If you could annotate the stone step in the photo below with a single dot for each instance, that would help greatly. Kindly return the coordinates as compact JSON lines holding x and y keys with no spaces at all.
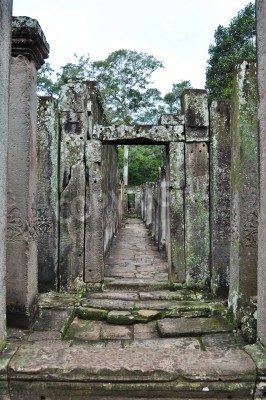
{"x":178,"y":327}
{"x":182,"y":294}
{"x":54,"y":370}
{"x":137,"y":284}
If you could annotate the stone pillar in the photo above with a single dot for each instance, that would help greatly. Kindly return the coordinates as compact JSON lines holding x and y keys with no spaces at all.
{"x":94,"y":245}
{"x":177,"y":271}
{"x":29,"y":48}
{"x":47,"y":193}
{"x":120,"y":204}
{"x":74,"y":130}
{"x":220,"y":164}
{"x":261,"y":70}
{"x":125,"y":172}
{"x":244,"y":187}
{"x":149,"y":189}
{"x":162,"y":228}
{"x":194,"y":104}
{"x":5,"y":46}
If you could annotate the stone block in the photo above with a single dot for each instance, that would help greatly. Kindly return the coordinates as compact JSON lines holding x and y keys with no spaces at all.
{"x":5,"y":52}
{"x":194,"y":108}
{"x":222,"y":341}
{"x":220,"y":164}
{"x":169,"y":327}
{"x":95,"y":314}
{"x":244,"y":187}
{"x":120,"y":318}
{"x":47,"y":193}
{"x":197,"y":217}
{"x":146,"y":315}
{"x":124,"y":134}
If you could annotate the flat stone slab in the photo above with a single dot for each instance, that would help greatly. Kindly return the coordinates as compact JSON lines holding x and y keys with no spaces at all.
{"x":146,"y":315}
{"x":84,"y":330}
{"x":222,"y":341}
{"x":57,"y":301}
{"x":59,"y":362}
{"x":54,"y":320}
{"x":109,"y":304}
{"x":172,"y":295}
{"x":116,"y":332}
{"x":191,"y":326}
{"x":180,"y":343}
{"x":128,"y":296}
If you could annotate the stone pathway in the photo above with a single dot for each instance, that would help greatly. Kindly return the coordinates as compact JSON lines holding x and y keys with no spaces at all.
{"x":139,"y":337}
{"x":133,"y":260}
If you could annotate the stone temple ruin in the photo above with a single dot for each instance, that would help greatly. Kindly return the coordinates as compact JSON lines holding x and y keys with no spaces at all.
{"x":88,"y":306}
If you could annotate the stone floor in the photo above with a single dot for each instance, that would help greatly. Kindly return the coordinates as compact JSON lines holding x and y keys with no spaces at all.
{"x":138,"y":338}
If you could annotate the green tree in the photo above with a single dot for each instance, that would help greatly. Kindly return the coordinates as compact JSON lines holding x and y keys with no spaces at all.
{"x":45,"y":84}
{"x":143,"y":162}
{"x":233,"y":43}
{"x":81,"y":69}
{"x":124,"y":78}
{"x":172,"y":99}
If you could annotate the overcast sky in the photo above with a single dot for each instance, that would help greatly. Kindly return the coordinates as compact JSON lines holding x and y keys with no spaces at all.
{"x":178,"y":32}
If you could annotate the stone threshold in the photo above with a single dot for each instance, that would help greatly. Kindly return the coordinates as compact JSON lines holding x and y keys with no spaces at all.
{"x":55,"y":370}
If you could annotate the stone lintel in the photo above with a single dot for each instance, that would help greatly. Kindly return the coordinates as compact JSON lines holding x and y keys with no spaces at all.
{"x":140,"y":133}
{"x":28,"y":40}
{"x":171,"y":119}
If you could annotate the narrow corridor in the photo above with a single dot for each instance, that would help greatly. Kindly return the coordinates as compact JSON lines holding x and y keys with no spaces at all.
{"x":133,"y":258}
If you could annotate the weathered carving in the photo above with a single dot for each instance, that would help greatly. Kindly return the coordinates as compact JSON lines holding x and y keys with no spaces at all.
{"x":44,"y":220}
{"x":15,"y":226}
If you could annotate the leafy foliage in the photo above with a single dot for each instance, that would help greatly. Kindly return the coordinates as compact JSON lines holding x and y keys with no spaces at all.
{"x":233,"y":43}
{"x":143,"y":162}
{"x":172,"y":99}
{"x":124,"y":77}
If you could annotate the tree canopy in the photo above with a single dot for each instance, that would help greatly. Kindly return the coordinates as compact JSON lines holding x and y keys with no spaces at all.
{"x":232,"y":43}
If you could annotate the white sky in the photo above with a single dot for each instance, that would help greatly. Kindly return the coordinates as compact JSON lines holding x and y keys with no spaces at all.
{"x":178,"y":32}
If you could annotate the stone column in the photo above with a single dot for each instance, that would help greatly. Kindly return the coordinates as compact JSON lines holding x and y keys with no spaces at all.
{"x":177,"y":271}
{"x":94,"y":244}
{"x":47,"y":193}
{"x":261,"y":70}
{"x":162,"y":228}
{"x":197,"y":217}
{"x":244,"y":187}
{"x":220,"y":164}
{"x":125,"y":171}
{"x":74,"y":121}
{"x":29,"y":48}
{"x":5,"y":47}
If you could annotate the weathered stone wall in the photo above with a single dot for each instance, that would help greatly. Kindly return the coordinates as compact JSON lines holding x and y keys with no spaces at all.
{"x":47,"y":193}
{"x":5,"y":48}
{"x":220,"y":164}
{"x":74,"y":128}
{"x":244,"y":188}
{"x":22,"y":284}
{"x":101,"y":216}
{"x":261,"y":67}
